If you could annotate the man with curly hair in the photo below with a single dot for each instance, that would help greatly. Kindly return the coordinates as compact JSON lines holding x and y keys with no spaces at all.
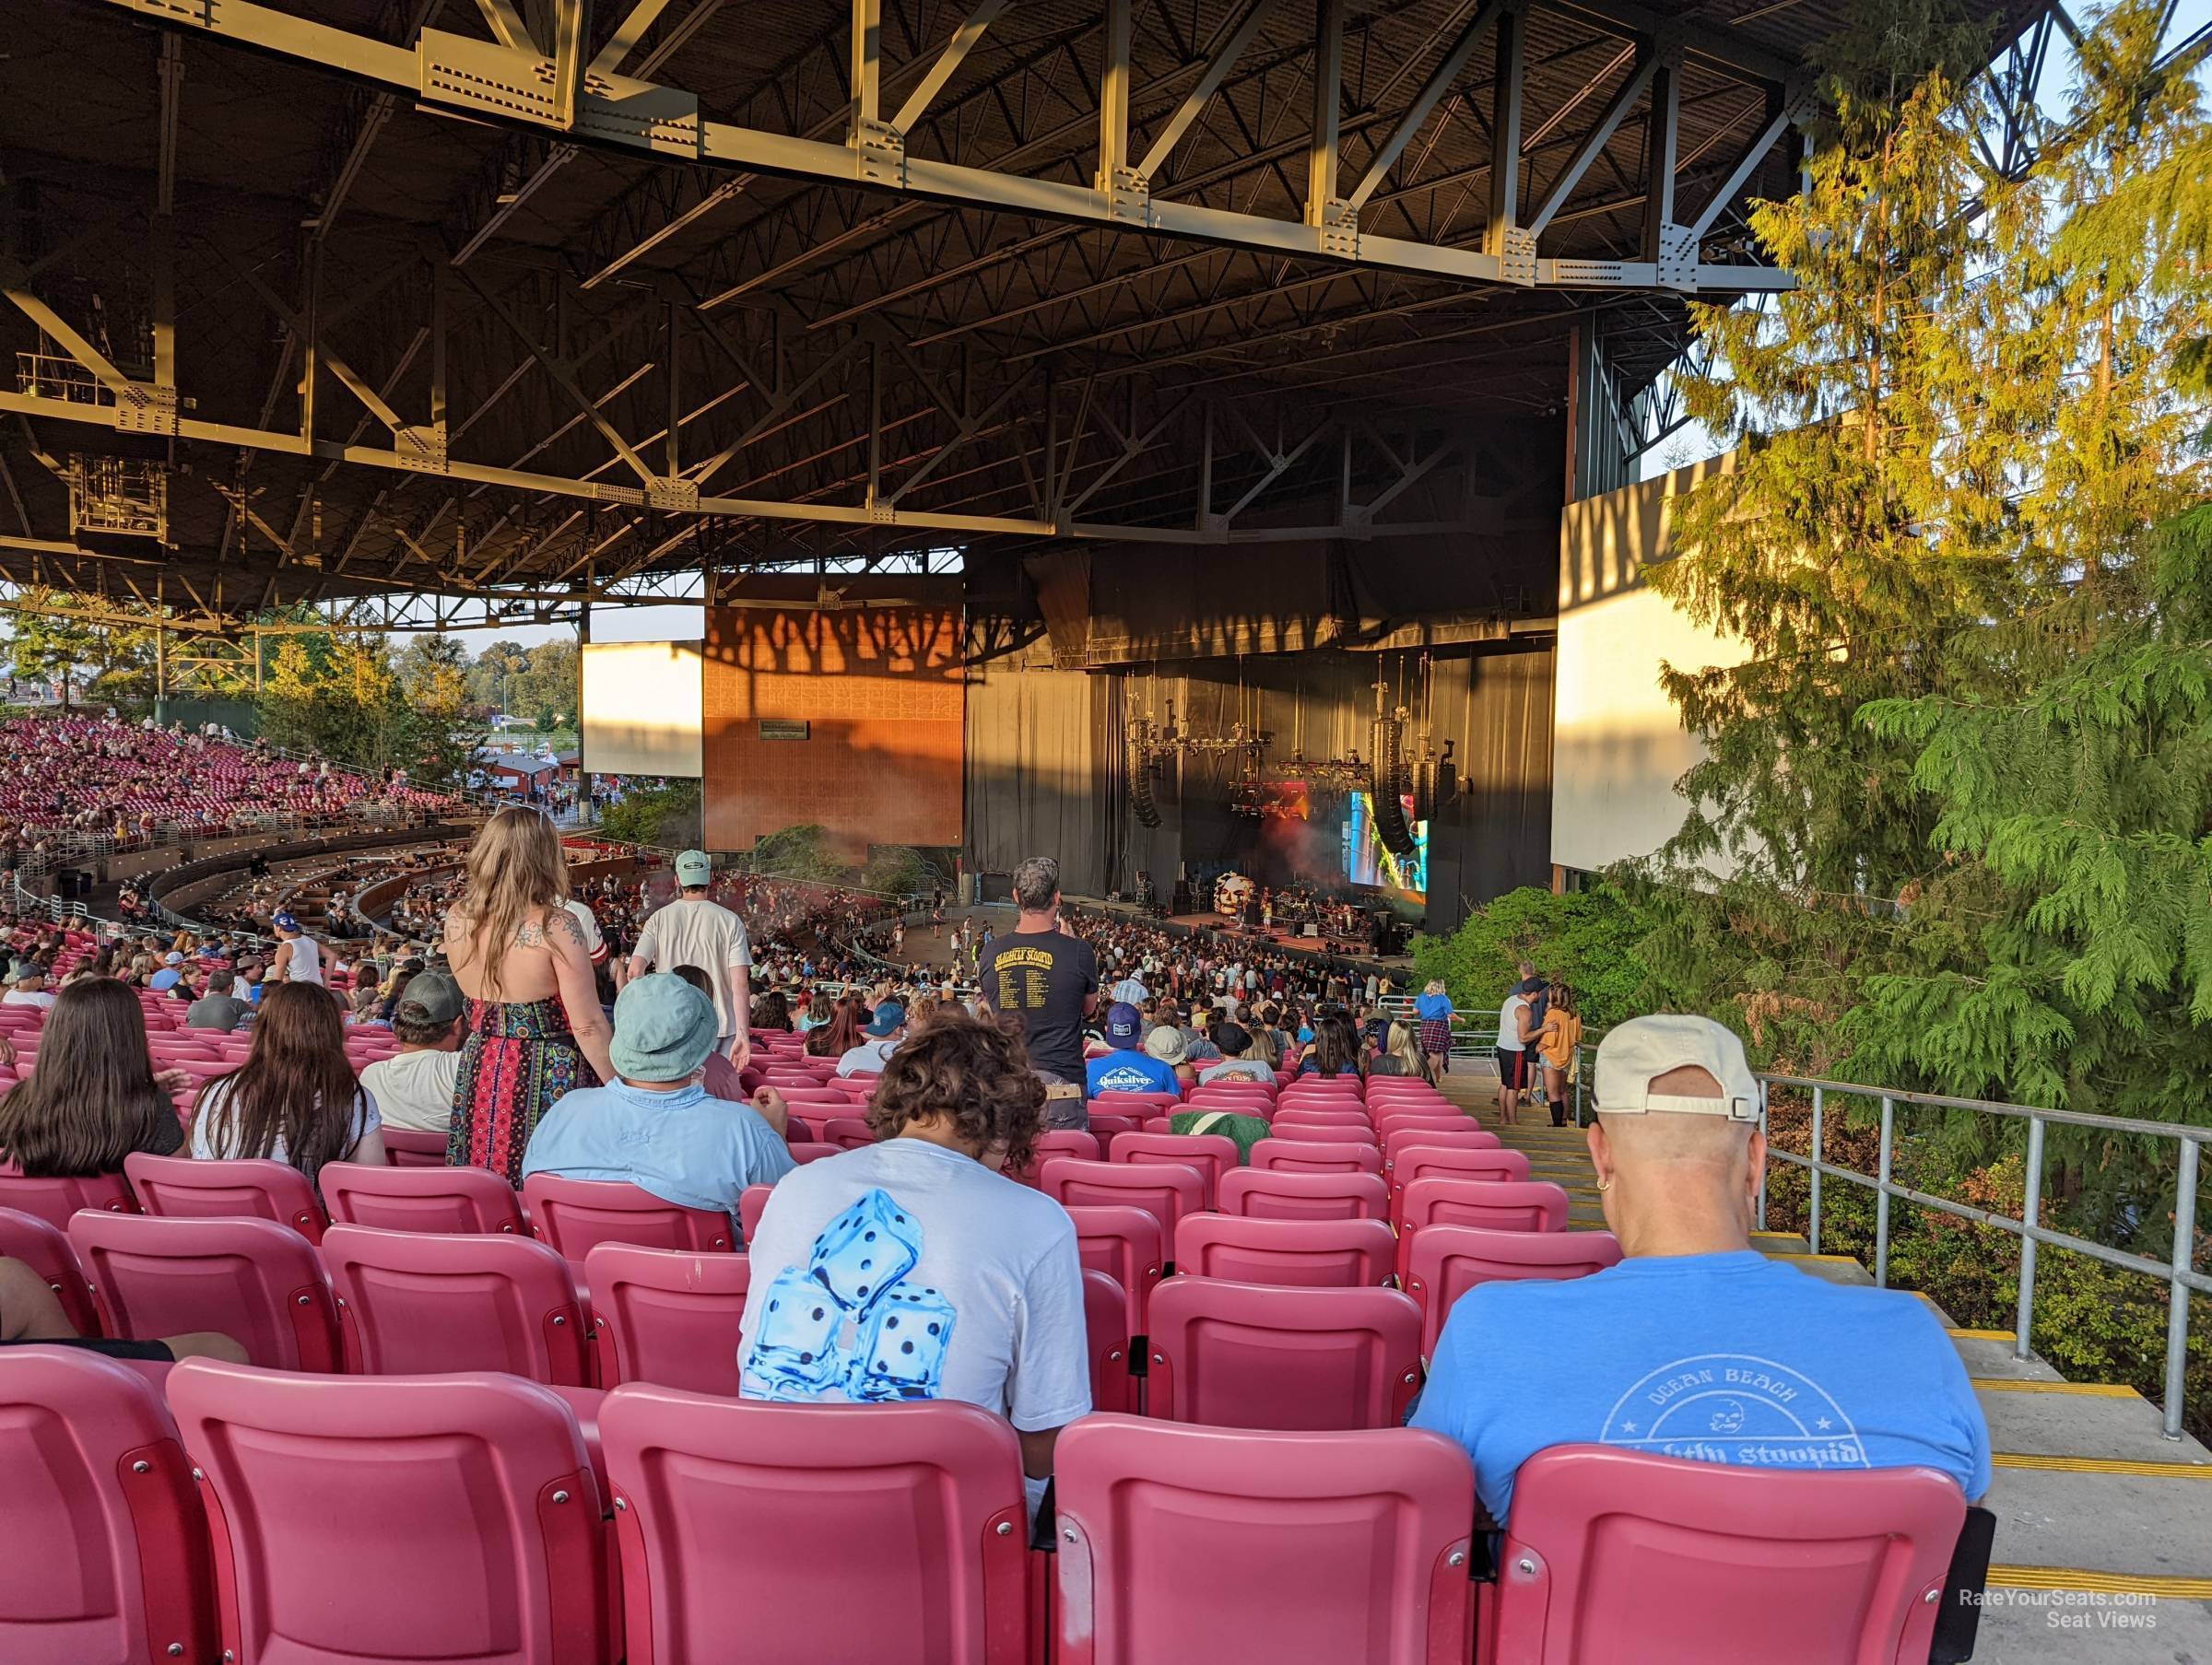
{"x":913,"y":1267}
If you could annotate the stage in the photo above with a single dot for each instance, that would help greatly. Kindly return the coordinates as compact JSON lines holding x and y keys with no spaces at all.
{"x":1341,"y":949}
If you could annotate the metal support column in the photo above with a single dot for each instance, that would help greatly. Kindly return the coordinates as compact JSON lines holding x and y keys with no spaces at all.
{"x":2177,"y":1296}
{"x":2032,"y":1205}
{"x":1662,"y":134}
{"x":1813,"y":1210}
{"x":1500,"y":237}
{"x":1114,"y":96}
{"x":1328,"y":76}
{"x":866,"y":82}
{"x":1881,"y":1197}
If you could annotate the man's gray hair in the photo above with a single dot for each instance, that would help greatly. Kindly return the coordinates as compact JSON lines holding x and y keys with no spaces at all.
{"x":1036,"y":882}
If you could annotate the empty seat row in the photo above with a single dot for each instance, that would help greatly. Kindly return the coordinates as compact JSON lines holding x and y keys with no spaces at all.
{"x":214,"y":1512}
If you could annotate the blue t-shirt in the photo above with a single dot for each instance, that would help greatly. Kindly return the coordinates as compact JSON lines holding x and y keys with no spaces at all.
{"x":1728,"y":1358}
{"x":1128,"y":1070}
{"x":165,"y":978}
{"x":684,"y":1147}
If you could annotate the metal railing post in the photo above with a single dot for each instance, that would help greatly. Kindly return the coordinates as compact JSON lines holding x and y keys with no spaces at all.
{"x":1814,"y":1235}
{"x":2177,"y":1294}
{"x":1762,"y":1169}
{"x":1881,"y":1197}
{"x":2023,"y":1322}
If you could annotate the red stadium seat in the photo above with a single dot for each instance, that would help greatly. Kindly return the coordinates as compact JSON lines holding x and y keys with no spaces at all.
{"x":1332,"y":1133}
{"x":1614,"y":1555}
{"x":45,"y":1249}
{"x":474,"y":1495}
{"x":809,"y":1150}
{"x":1517,"y":1205}
{"x":1317,"y":1156}
{"x":1423,"y":1161}
{"x":1254,"y":1355}
{"x":752,"y":1202}
{"x":1106,"y":1325}
{"x":55,"y":1201}
{"x":1310,"y":1116}
{"x":465,"y":1199}
{"x":1296,"y":1549}
{"x":825,"y":1500}
{"x":1327,"y":1254}
{"x":1212,"y":1155}
{"x":573,"y":1214}
{"x":1128,"y":1245}
{"x":180,"y":1188}
{"x":667,"y":1318}
{"x":254,"y":1281}
{"x":1442,"y":1262}
{"x":1057,"y":1142}
{"x":1105,"y":1124}
{"x":416,"y":1303}
{"x":1166,"y":1190}
{"x":107,"y":1549}
{"x":847,"y":1132}
{"x":408,"y":1148}
{"x":1137,"y":1104}
{"x":1467,"y":1137}
{"x":1276,"y":1193}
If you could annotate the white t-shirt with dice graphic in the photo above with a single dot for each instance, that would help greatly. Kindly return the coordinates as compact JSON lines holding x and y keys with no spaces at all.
{"x":905,"y":1270}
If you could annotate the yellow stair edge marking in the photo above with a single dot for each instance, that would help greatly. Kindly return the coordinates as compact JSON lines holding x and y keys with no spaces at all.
{"x":1982,"y":1335}
{"x":1787,"y":1237}
{"x":2107,"y":1584}
{"x":1997,"y":1384}
{"x":2104,"y":1465}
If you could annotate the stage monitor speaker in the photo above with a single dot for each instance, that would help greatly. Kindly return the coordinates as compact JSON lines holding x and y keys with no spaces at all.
{"x":1183,"y":898}
{"x":994,"y":886}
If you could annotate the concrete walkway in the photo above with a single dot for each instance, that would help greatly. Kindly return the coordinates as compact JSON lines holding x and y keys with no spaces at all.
{"x":2103,"y":1551}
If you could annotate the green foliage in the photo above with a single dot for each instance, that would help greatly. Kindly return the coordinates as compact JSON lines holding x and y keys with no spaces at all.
{"x":797,"y":852}
{"x":901,"y":870}
{"x":666,"y":817}
{"x":1587,"y":937}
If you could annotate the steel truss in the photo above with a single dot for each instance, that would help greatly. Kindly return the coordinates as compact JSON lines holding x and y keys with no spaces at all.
{"x":1174,"y":291}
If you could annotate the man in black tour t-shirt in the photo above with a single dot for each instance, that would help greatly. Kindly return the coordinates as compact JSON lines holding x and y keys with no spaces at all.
{"x":1043,"y":973}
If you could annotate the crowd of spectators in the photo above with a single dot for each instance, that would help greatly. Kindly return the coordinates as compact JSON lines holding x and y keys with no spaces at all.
{"x":63,"y":779}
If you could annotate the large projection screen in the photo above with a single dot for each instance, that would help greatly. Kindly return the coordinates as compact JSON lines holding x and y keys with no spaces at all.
{"x":643,"y":706}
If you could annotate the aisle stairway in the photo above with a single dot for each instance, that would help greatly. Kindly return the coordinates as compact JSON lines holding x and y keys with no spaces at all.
{"x":2103,"y":1551}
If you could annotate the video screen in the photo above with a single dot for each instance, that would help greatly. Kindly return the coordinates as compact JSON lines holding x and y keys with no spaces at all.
{"x":1367,"y":863}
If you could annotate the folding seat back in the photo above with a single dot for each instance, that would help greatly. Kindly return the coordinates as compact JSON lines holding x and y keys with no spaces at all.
{"x":752,"y":1202}
{"x":1107,"y":1328}
{"x":1355,"y":1133}
{"x":418,"y":1303}
{"x":1106,"y":1123}
{"x":107,"y":1549}
{"x":1441,"y":1120}
{"x":1621,"y":1554}
{"x":1212,"y":1155}
{"x":464,"y":1505}
{"x":1276,"y":1193}
{"x":1309,"y":1116}
{"x":463,"y":1199}
{"x":1298,"y":1549}
{"x":45,"y":1249}
{"x":1314,"y":1254}
{"x":1128,"y":1245}
{"x":573,"y":1214}
{"x":815,"y":1150}
{"x":55,"y":1201}
{"x":180,"y":1188}
{"x":847,"y":1132}
{"x":1137,"y":1104}
{"x":1317,"y":1156}
{"x":254,"y":1281}
{"x":1259,"y":1356}
{"x":825,"y":1499}
{"x":1056,"y":1142}
{"x":1516,"y":1205}
{"x":408,"y":1147}
{"x":1425,"y":1161}
{"x":1466,"y":1137}
{"x":667,"y":1318}
{"x":1166,"y":1190}
{"x":1442,"y":1262}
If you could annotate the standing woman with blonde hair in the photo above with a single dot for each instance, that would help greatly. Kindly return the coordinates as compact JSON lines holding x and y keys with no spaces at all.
{"x":1433,"y":1007}
{"x":533,"y":1028}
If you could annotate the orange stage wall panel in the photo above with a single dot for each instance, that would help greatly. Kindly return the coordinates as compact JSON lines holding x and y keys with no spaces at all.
{"x":882,"y":691}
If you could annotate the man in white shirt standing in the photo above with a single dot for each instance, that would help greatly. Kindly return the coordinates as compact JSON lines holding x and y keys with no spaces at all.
{"x":1516,"y":1040}
{"x":696,"y":931}
{"x":914,"y":1269}
{"x":298,"y":956}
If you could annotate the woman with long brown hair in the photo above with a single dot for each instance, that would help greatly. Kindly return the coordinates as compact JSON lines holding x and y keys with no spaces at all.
{"x":295,"y":1099}
{"x":840,"y":1034}
{"x":534,"y":1028}
{"x":96,"y":1095}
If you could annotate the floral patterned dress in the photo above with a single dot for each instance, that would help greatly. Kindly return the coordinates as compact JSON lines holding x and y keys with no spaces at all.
{"x":517,"y":1058}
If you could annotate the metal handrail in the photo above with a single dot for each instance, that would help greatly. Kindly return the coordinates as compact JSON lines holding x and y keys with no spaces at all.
{"x":2179,"y":1270}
